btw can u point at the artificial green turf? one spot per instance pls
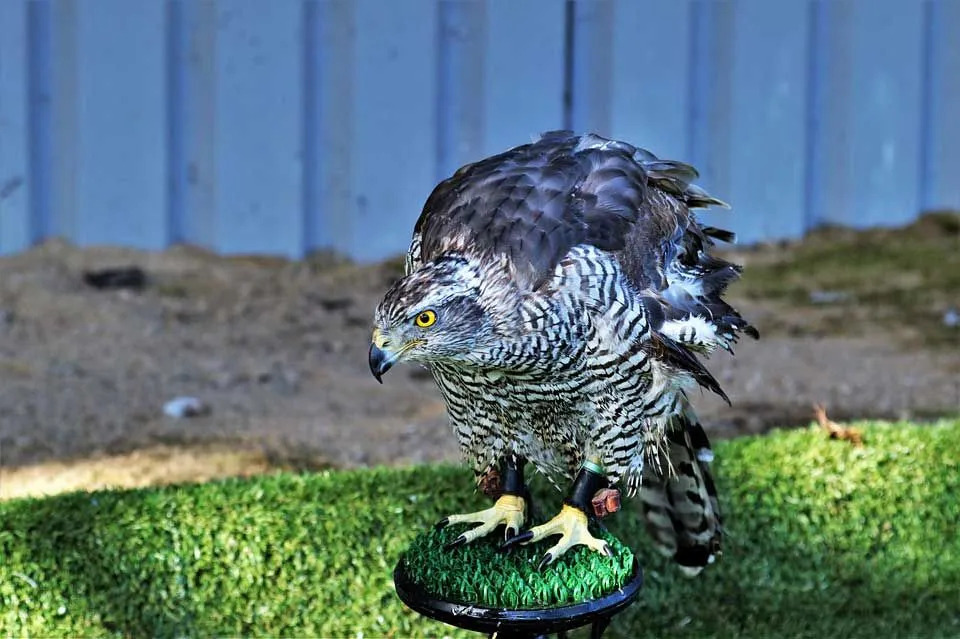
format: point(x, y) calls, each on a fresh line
point(481, 574)
point(824, 540)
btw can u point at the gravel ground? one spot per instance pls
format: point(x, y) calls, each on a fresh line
point(277, 350)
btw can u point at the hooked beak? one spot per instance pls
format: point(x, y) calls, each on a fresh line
point(381, 359)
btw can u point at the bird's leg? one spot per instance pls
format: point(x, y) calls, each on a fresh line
point(509, 510)
point(572, 521)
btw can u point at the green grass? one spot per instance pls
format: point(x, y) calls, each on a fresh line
point(481, 574)
point(824, 540)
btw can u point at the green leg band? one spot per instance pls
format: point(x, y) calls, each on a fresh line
point(592, 467)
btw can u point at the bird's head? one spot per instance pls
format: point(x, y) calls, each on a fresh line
point(431, 315)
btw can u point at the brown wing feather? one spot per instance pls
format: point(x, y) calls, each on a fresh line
point(535, 202)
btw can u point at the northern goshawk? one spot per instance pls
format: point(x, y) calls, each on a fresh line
point(560, 293)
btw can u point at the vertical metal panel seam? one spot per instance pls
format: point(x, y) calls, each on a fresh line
point(723, 61)
point(174, 126)
point(442, 117)
point(15, 218)
point(212, 214)
point(694, 57)
point(479, 116)
point(190, 123)
point(459, 81)
point(569, 52)
point(835, 159)
point(696, 80)
point(311, 50)
point(38, 115)
point(711, 75)
point(64, 99)
point(929, 59)
point(814, 110)
point(336, 130)
point(592, 66)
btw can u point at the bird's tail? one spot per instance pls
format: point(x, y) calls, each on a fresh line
point(679, 500)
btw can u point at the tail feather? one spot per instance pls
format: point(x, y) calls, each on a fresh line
point(680, 505)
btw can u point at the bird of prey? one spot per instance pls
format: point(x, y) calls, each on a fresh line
point(560, 293)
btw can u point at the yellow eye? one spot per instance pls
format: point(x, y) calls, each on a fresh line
point(426, 319)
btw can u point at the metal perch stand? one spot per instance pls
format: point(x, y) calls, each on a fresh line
point(504, 623)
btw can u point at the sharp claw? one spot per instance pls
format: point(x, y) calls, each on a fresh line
point(517, 539)
point(607, 550)
point(509, 532)
point(459, 541)
point(547, 558)
point(442, 523)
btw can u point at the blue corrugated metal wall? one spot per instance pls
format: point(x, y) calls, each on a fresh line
point(279, 127)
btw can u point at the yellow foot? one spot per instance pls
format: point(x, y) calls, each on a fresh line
point(508, 510)
point(571, 524)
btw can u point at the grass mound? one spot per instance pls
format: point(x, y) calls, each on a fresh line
point(824, 540)
point(480, 574)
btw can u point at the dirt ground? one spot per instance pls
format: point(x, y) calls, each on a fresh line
point(277, 350)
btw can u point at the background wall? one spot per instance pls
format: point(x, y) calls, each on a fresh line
point(287, 125)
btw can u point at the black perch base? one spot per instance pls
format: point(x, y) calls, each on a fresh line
point(505, 623)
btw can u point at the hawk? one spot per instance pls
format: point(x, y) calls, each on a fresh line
point(560, 293)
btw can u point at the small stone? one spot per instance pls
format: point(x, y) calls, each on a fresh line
point(126, 277)
point(951, 318)
point(335, 303)
point(184, 407)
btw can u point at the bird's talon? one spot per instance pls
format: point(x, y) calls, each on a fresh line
point(441, 524)
point(572, 526)
point(545, 561)
point(516, 540)
point(507, 511)
point(459, 541)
